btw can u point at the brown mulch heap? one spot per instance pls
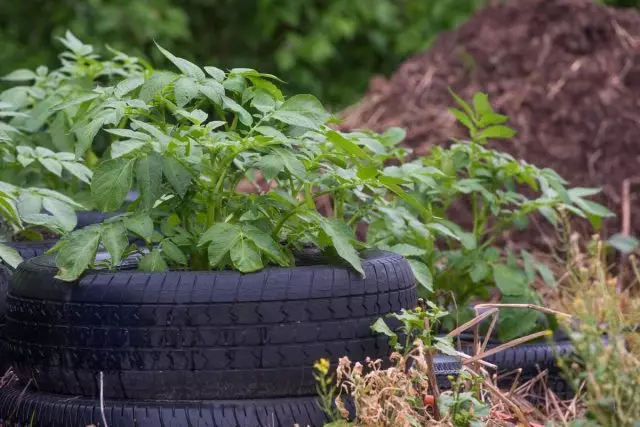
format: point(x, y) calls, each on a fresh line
point(567, 73)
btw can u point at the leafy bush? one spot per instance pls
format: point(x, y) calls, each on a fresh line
point(186, 140)
point(329, 48)
point(464, 264)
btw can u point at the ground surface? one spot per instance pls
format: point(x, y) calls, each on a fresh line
point(567, 72)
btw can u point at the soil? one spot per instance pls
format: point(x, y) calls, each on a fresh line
point(566, 72)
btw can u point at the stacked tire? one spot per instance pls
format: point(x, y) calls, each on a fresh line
point(192, 348)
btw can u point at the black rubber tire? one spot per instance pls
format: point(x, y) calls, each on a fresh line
point(198, 335)
point(44, 410)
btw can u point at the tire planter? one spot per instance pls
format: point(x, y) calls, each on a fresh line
point(229, 343)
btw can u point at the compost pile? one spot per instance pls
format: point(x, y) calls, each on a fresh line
point(566, 72)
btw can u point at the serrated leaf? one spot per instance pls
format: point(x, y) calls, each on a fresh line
point(265, 243)
point(510, 280)
point(291, 162)
point(173, 252)
point(546, 274)
point(115, 241)
point(463, 119)
point(422, 274)
point(148, 173)
point(178, 176)
point(481, 104)
point(302, 111)
point(186, 67)
point(153, 262)
point(10, 256)
point(515, 323)
point(77, 253)
point(112, 181)
point(245, 256)
point(141, 225)
point(341, 236)
point(185, 89)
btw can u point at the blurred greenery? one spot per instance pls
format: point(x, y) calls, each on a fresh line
point(326, 47)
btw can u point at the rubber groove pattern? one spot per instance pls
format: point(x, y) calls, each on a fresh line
point(198, 335)
point(48, 410)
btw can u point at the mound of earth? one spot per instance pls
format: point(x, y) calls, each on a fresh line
point(566, 72)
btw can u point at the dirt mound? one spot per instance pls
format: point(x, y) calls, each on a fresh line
point(567, 72)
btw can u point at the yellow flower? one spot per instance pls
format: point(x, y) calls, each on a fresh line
point(322, 366)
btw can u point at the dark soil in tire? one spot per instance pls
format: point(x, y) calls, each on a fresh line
point(198, 335)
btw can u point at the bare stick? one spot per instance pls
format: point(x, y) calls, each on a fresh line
point(104, 418)
point(529, 306)
point(505, 346)
point(479, 318)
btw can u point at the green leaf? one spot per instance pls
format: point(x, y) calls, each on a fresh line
point(128, 85)
point(62, 212)
point(510, 280)
point(481, 104)
point(620, 242)
point(212, 90)
point(407, 250)
point(115, 241)
point(422, 274)
point(216, 73)
point(222, 237)
point(346, 145)
point(445, 346)
point(497, 132)
point(580, 192)
point(153, 262)
point(177, 175)
point(270, 165)
point(10, 256)
point(124, 147)
point(173, 252)
point(185, 89)
point(243, 115)
point(479, 272)
point(149, 177)
point(265, 243)
point(21, 75)
point(546, 274)
point(112, 181)
point(245, 256)
point(141, 224)
point(381, 327)
point(467, 109)
point(302, 111)
point(291, 162)
point(463, 119)
point(342, 236)
point(155, 85)
point(85, 135)
point(187, 68)
point(52, 165)
point(77, 253)
point(515, 323)
point(79, 170)
point(593, 208)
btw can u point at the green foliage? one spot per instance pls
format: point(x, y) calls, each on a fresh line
point(186, 139)
point(462, 406)
point(327, 48)
point(459, 263)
